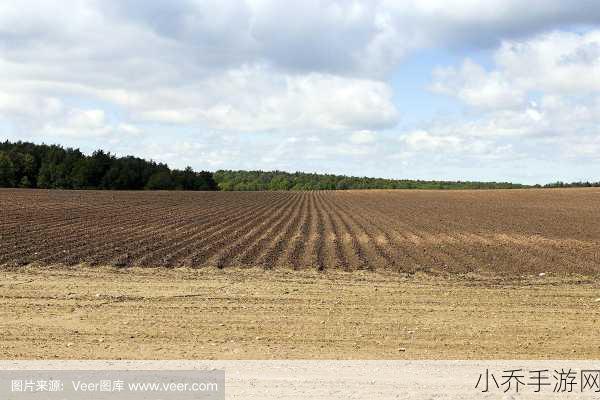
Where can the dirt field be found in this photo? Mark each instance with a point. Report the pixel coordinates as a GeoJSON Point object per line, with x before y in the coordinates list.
{"type": "Point", "coordinates": [111, 313]}
{"type": "Point", "coordinates": [358, 274]}
{"type": "Point", "coordinates": [504, 232]}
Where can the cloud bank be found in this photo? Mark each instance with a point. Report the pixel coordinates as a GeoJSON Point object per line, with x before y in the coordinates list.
{"type": "Point", "coordinates": [307, 85]}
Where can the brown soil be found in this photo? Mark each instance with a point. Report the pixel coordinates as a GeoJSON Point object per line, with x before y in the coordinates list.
{"type": "Point", "coordinates": [357, 274]}
{"type": "Point", "coordinates": [157, 313]}
{"type": "Point", "coordinates": [507, 232]}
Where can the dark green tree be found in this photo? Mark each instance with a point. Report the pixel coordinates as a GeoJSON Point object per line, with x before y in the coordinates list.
{"type": "Point", "coordinates": [160, 180]}
{"type": "Point", "coordinates": [25, 183]}
{"type": "Point", "coordinates": [7, 171]}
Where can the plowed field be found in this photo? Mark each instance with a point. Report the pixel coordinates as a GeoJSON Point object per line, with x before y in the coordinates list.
{"type": "Point", "coordinates": [504, 232]}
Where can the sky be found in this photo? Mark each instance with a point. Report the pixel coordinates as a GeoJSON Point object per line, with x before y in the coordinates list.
{"type": "Point", "coordinates": [494, 90]}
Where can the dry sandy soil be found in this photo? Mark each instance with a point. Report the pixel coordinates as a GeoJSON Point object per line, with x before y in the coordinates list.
{"type": "Point", "coordinates": [143, 313]}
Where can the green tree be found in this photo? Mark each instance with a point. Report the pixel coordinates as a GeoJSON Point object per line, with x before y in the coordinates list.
{"type": "Point", "coordinates": [25, 182]}
{"type": "Point", "coordinates": [186, 179]}
{"type": "Point", "coordinates": [7, 171]}
{"type": "Point", "coordinates": [44, 179]}
{"type": "Point", "coordinates": [342, 184]}
{"type": "Point", "coordinates": [29, 165]}
{"type": "Point", "coordinates": [160, 181]}
{"type": "Point", "coordinates": [80, 174]}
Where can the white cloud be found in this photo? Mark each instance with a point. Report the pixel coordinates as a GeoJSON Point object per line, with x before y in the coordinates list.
{"type": "Point", "coordinates": [259, 64]}
{"type": "Point", "coordinates": [259, 99]}
{"type": "Point", "coordinates": [129, 129]}
{"type": "Point", "coordinates": [183, 153]}
{"type": "Point", "coordinates": [548, 98]}
{"type": "Point", "coordinates": [363, 137]}
{"type": "Point", "coordinates": [557, 63]}
{"type": "Point", "coordinates": [85, 123]}
{"type": "Point", "coordinates": [316, 71]}
{"type": "Point", "coordinates": [472, 84]}
{"type": "Point", "coordinates": [425, 141]}
{"type": "Point", "coordinates": [23, 105]}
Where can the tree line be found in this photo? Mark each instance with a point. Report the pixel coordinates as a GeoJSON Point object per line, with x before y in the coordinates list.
{"type": "Point", "coordinates": [29, 165]}
{"type": "Point", "coordinates": [280, 180]}
{"type": "Point", "coordinates": [560, 184]}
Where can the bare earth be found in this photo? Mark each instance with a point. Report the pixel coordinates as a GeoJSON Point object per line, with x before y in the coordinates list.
{"type": "Point", "coordinates": [157, 313]}
{"type": "Point", "coordinates": [508, 232]}
{"type": "Point", "coordinates": [309, 275]}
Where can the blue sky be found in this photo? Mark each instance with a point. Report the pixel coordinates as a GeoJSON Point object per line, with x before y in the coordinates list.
{"type": "Point", "coordinates": [410, 82]}
{"type": "Point", "coordinates": [430, 89]}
